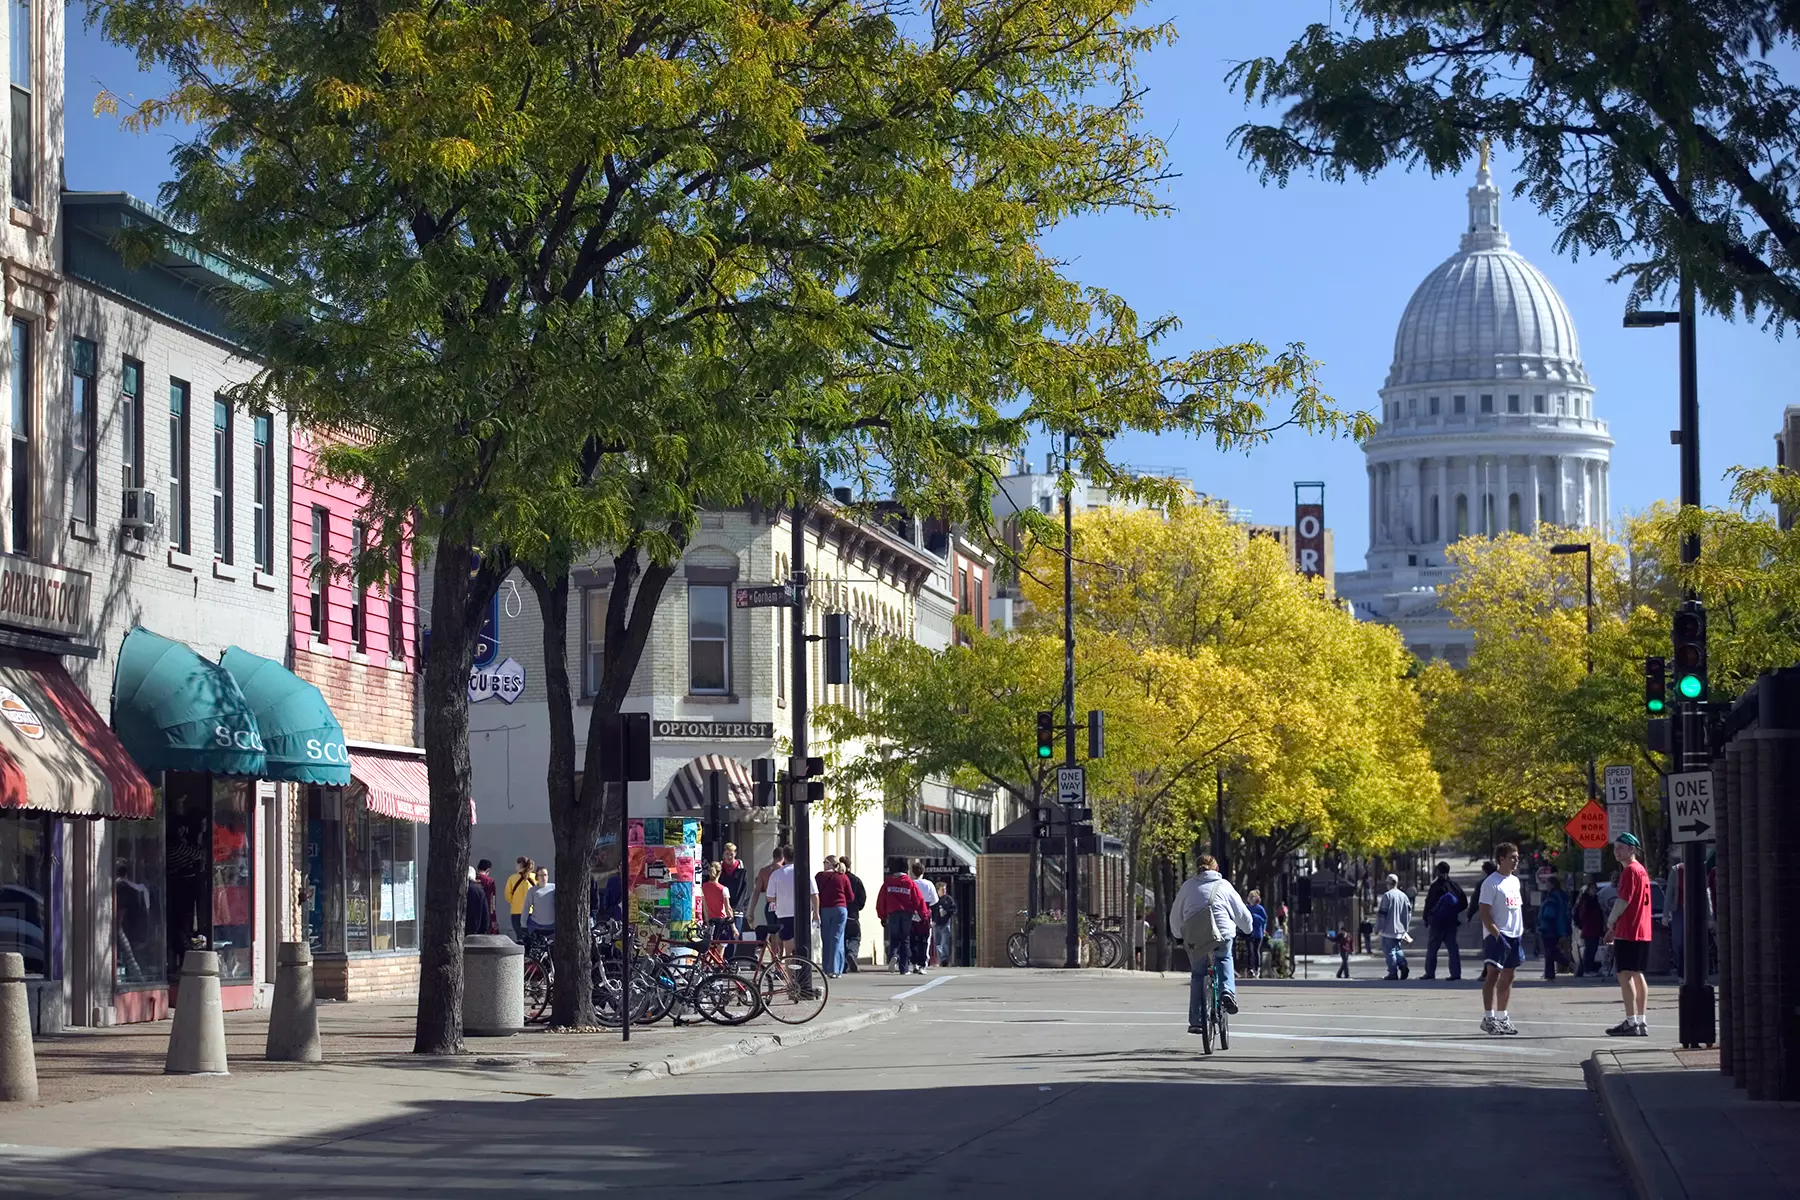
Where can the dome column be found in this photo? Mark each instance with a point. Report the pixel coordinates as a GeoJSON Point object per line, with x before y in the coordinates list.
{"type": "Point", "coordinates": [1503, 503]}
{"type": "Point", "coordinates": [1533, 517]}
{"type": "Point", "coordinates": [1476, 505]}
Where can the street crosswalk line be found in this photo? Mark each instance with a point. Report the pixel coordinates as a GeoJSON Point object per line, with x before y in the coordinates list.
{"type": "Point", "coordinates": [1482, 1047]}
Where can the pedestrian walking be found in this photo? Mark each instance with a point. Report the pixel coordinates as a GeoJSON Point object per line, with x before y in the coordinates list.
{"type": "Point", "coordinates": [1674, 909]}
{"type": "Point", "coordinates": [1554, 923]}
{"type": "Point", "coordinates": [1445, 903]}
{"type": "Point", "coordinates": [897, 906]}
{"type": "Point", "coordinates": [1502, 909]}
{"type": "Point", "coordinates": [1207, 916]}
{"type": "Point", "coordinates": [1345, 942]}
{"type": "Point", "coordinates": [921, 932]}
{"type": "Point", "coordinates": [859, 899]}
{"type": "Point", "coordinates": [540, 904]}
{"type": "Point", "coordinates": [715, 905]}
{"type": "Point", "coordinates": [781, 891]}
{"type": "Point", "coordinates": [1259, 929]}
{"type": "Point", "coordinates": [1393, 919]}
{"type": "Point", "coordinates": [834, 915]}
{"type": "Point", "coordinates": [518, 884]}
{"type": "Point", "coordinates": [943, 917]}
{"type": "Point", "coordinates": [1488, 867]}
{"type": "Point", "coordinates": [734, 876]}
{"type": "Point", "coordinates": [1630, 935]}
{"type": "Point", "coordinates": [1590, 920]}
{"type": "Point", "coordinates": [476, 913]}
{"type": "Point", "coordinates": [765, 901]}
{"type": "Point", "coordinates": [1367, 932]}
{"type": "Point", "coordinates": [484, 874]}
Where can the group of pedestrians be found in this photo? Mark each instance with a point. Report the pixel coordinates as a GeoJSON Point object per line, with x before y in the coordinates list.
{"type": "Point", "coordinates": [916, 917]}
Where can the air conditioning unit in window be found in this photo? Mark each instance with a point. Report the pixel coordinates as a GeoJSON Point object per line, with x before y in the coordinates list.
{"type": "Point", "coordinates": [140, 509]}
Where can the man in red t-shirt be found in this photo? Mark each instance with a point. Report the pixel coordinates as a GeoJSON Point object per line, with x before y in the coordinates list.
{"type": "Point", "coordinates": [1630, 935]}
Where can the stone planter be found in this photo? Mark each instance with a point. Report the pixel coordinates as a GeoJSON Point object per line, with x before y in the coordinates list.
{"type": "Point", "coordinates": [1048, 946]}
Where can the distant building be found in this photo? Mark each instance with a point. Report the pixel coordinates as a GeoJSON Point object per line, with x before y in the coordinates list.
{"type": "Point", "coordinates": [1487, 424]}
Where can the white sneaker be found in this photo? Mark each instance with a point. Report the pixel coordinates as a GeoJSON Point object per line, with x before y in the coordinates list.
{"type": "Point", "coordinates": [1487, 1024]}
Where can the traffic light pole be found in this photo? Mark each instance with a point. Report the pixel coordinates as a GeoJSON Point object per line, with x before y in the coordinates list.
{"type": "Point", "coordinates": [1697, 1020]}
{"type": "Point", "coordinates": [797, 780]}
{"type": "Point", "coordinates": [1071, 888]}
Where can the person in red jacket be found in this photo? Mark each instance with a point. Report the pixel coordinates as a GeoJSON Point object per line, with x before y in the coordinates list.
{"type": "Point", "coordinates": [898, 905]}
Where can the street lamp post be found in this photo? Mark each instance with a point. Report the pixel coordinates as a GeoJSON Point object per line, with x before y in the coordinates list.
{"type": "Point", "coordinates": [1071, 891]}
{"type": "Point", "coordinates": [1586, 550]}
{"type": "Point", "coordinates": [1697, 1020]}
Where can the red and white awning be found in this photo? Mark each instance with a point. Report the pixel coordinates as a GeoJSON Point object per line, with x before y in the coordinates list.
{"type": "Point", "coordinates": [394, 786]}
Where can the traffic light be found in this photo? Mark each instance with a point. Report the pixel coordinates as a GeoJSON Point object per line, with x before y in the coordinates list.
{"type": "Point", "coordinates": [1656, 686]}
{"type": "Point", "coordinates": [1690, 651]}
{"type": "Point", "coordinates": [1096, 733]}
{"type": "Point", "coordinates": [1046, 735]}
{"type": "Point", "coordinates": [837, 647]}
{"type": "Point", "coordinates": [762, 775]}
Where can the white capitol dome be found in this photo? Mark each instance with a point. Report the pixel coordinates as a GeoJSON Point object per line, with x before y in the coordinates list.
{"type": "Point", "coordinates": [1487, 425]}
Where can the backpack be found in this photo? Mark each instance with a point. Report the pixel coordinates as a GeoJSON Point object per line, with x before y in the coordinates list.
{"type": "Point", "coordinates": [1198, 933]}
{"type": "Point", "coordinates": [1446, 908]}
{"type": "Point", "coordinates": [945, 908]}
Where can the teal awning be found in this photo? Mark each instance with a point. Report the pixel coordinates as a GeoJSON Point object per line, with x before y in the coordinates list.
{"type": "Point", "coordinates": [175, 711]}
{"type": "Point", "coordinates": [301, 738]}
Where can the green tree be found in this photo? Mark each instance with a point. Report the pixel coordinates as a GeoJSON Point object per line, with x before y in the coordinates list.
{"type": "Point", "coordinates": [1659, 133]}
{"type": "Point", "coordinates": [572, 273]}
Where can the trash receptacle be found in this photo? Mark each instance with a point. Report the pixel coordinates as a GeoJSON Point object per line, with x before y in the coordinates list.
{"type": "Point", "coordinates": [493, 985]}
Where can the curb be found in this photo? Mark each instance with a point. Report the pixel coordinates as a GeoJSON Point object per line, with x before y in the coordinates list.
{"type": "Point", "coordinates": [763, 1043]}
{"type": "Point", "coordinates": [1652, 1176]}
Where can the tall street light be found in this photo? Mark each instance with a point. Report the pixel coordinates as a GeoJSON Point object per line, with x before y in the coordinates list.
{"type": "Point", "coordinates": [1697, 1021]}
{"type": "Point", "coordinates": [1586, 550]}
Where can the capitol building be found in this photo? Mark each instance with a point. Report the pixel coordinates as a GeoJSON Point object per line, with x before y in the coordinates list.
{"type": "Point", "coordinates": [1487, 425]}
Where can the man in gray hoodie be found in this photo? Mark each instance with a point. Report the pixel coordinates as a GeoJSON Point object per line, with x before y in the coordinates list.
{"type": "Point", "coordinates": [1393, 921]}
{"type": "Point", "coordinates": [1207, 915]}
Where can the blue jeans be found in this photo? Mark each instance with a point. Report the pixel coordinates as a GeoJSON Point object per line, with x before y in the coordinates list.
{"type": "Point", "coordinates": [940, 942]}
{"type": "Point", "coordinates": [899, 932]}
{"type": "Point", "coordinates": [1198, 993]}
{"type": "Point", "coordinates": [1443, 934]}
{"type": "Point", "coordinates": [831, 932]}
{"type": "Point", "coordinates": [1392, 950]}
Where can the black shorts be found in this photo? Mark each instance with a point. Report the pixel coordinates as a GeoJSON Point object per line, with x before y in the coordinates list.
{"type": "Point", "coordinates": [1630, 956]}
{"type": "Point", "coordinates": [785, 928]}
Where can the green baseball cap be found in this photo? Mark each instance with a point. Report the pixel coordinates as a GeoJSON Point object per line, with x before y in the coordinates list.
{"type": "Point", "coordinates": [1628, 839]}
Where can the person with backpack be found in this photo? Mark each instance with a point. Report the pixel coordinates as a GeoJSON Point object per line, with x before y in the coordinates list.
{"type": "Point", "coordinates": [898, 905]}
{"type": "Point", "coordinates": [942, 913]}
{"type": "Point", "coordinates": [1445, 903]}
{"type": "Point", "coordinates": [921, 932]}
{"type": "Point", "coordinates": [1207, 915]}
{"type": "Point", "coordinates": [1554, 923]}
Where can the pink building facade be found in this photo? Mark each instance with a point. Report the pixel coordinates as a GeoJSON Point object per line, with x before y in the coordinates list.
{"type": "Point", "coordinates": [360, 850]}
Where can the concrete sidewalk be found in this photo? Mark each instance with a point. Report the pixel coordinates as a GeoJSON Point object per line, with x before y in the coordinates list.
{"type": "Point", "coordinates": [1681, 1129]}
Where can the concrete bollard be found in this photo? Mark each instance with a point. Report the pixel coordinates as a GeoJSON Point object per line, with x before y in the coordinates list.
{"type": "Point", "coordinates": [493, 985]}
{"type": "Point", "coordinates": [293, 1017]}
{"type": "Point", "coordinates": [197, 1038]}
{"type": "Point", "coordinates": [18, 1062]}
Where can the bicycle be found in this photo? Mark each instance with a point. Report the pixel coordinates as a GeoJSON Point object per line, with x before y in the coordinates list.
{"type": "Point", "coordinates": [1106, 942]}
{"type": "Point", "coordinates": [1215, 1022]}
{"type": "Point", "coordinates": [539, 976]}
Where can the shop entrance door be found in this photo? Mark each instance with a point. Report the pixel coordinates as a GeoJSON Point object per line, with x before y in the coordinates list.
{"type": "Point", "coordinates": [210, 878]}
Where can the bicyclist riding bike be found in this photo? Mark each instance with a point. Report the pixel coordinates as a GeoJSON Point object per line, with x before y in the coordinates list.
{"type": "Point", "coordinates": [1207, 914]}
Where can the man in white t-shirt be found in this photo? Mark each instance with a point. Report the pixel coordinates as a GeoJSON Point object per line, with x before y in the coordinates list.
{"type": "Point", "coordinates": [1502, 908]}
{"type": "Point", "coordinates": [921, 930]}
{"type": "Point", "coordinates": [781, 891]}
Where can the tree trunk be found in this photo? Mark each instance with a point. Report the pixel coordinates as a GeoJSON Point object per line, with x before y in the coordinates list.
{"type": "Point", "coordinates": [457, 598]}
{"type": "Point", "coordinates": [1159, 921]}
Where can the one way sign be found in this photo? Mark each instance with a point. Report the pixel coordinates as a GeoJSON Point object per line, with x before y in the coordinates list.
{"type": "Point", "coordinates": [1691, 806]}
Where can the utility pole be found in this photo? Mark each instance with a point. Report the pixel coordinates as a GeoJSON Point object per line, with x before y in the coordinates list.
{"type": "Point", "coordinates": [1071, 888]}
{"type": "Point", "coordinates": [798, 779]}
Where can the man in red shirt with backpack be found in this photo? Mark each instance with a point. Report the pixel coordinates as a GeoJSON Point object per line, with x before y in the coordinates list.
{"type": "Point", "coordinates": [898, 905]}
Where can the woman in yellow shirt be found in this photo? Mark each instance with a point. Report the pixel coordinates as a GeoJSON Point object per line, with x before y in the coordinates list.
{"type": "Point", "coordinates": [518, 885]}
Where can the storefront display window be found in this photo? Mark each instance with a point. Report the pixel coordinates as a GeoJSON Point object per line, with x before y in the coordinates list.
{"type": "Point", "coordinates": [363, 870]}
{"type": "Point", "coordinates": [209, 858]}
{"type": "Point", "coordinates": [233, 910]}
{"type": "Point", "coordinates": [25, 843]}
{"type": "Point", "coordinates": [138, 901]}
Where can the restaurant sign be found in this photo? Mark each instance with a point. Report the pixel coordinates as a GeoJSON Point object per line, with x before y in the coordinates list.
{"type": "Point", "coordinates": [43, 598]}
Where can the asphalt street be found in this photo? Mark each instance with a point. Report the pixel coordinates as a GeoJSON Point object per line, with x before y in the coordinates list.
{"type": "Point", "coordinates": [1002, 1082]}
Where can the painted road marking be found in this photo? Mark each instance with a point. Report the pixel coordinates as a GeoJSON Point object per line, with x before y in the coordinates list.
{"type": "Point", "coordinates": [1270, 1012]}
{"type": "Point", "coordinates": [923, 987]}
{"type": "Point", "coordinates": [1484, 1047]}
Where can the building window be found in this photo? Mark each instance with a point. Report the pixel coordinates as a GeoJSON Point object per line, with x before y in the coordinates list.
{"type": "Point", "coordinates": [178, 466]}
{"type": "Point", "coordinates": [363, 869]}
{"type": "Point", "coordinates": [1462, 516]}
{"type": "Point", "coordinates": [318, 573]}
{"type": "Point", "coordinates": [593, 638]}
{"type": "Point", "coordinates": [83, 424]}
{"type": "Point", "coordinates": [1537, 404]}
{"type": "Point", "coordinates": [22, 408]}
{"type": "Point", "coordinates": [1487, 404]}
{"type": "Point", "coordinates": [26, 843]}
{"type": "Point", "coordinates": [131, 423]}
{"type": "Point", "coordinates": [1458, 404]}
{"type": "Point", "coordinates": [1432, 535]}
{"type": "Point", "coordinates": [359, 592]}
{"type": "Point", "coordinates": [1512, 404]}
{"type": "Point", "coordinates": [209, 852]}
{"type": "Point", "coordinates": [1514, 517]}
{"type": "Point", "coordinates": [397, 604]}
{"type": "Point", "coordinates": [709, 639]}
{"type": "Point", "coordinates": [1432, 403]}
{"type": "Point", "coordinates": [1412, 406]}
{"type": "Point", "coordinates": [222, 482]}
{"type": "Point", "coordinates": [262, 491]}
{"type": "Point", "coordinates": [24, 147]}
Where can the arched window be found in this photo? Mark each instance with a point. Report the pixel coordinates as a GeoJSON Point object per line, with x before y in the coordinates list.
{"type": "Point", "coordinates": [1515, 519]}
{"type": "Point", "coordinates": [1462, 516]}
{"type": "Point", "coordinates": [1432, 533]}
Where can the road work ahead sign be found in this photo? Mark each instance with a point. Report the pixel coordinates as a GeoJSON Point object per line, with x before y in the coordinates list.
{"type": "Point", "coordinates": [1691, 806]}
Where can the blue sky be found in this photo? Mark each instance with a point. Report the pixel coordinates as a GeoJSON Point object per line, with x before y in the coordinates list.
{"type": "Point", "coordinates": [1328, 265]}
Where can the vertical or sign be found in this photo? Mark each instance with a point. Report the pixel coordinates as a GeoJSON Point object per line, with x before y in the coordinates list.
{"type": "Point", "coordinates": [1621, 800]}
{"type": "Point", "coordinates": [487, 642]}
{"type": "Point", "coordinates": [1587, 828]}
{"type": "Point", "coordinates": [1309, 530]}
{"type": "Point", "coordinates": [1590, 861]}
{"type": "Point", "coordinates": [1071, 785]}
{"type": "Point", "coordinates": [1690, 806]}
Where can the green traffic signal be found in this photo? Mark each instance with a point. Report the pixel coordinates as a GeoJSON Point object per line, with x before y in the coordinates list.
{"type": "Point", "coordinates": [1690, 686]}
{"type": "Point", "coordinates": [1045, 751]}
{"type": "Point", "coordinates": [1654, 706]}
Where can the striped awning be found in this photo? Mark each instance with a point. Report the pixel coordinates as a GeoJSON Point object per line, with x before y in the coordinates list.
{"type": "Point", "coordinates": [688, 789]}
{"type": "Point", "coordinates": [395, 787]}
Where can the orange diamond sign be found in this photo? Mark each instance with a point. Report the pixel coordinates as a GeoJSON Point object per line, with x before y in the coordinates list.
{"type": "Point", "coordinates": [1588, 827]}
